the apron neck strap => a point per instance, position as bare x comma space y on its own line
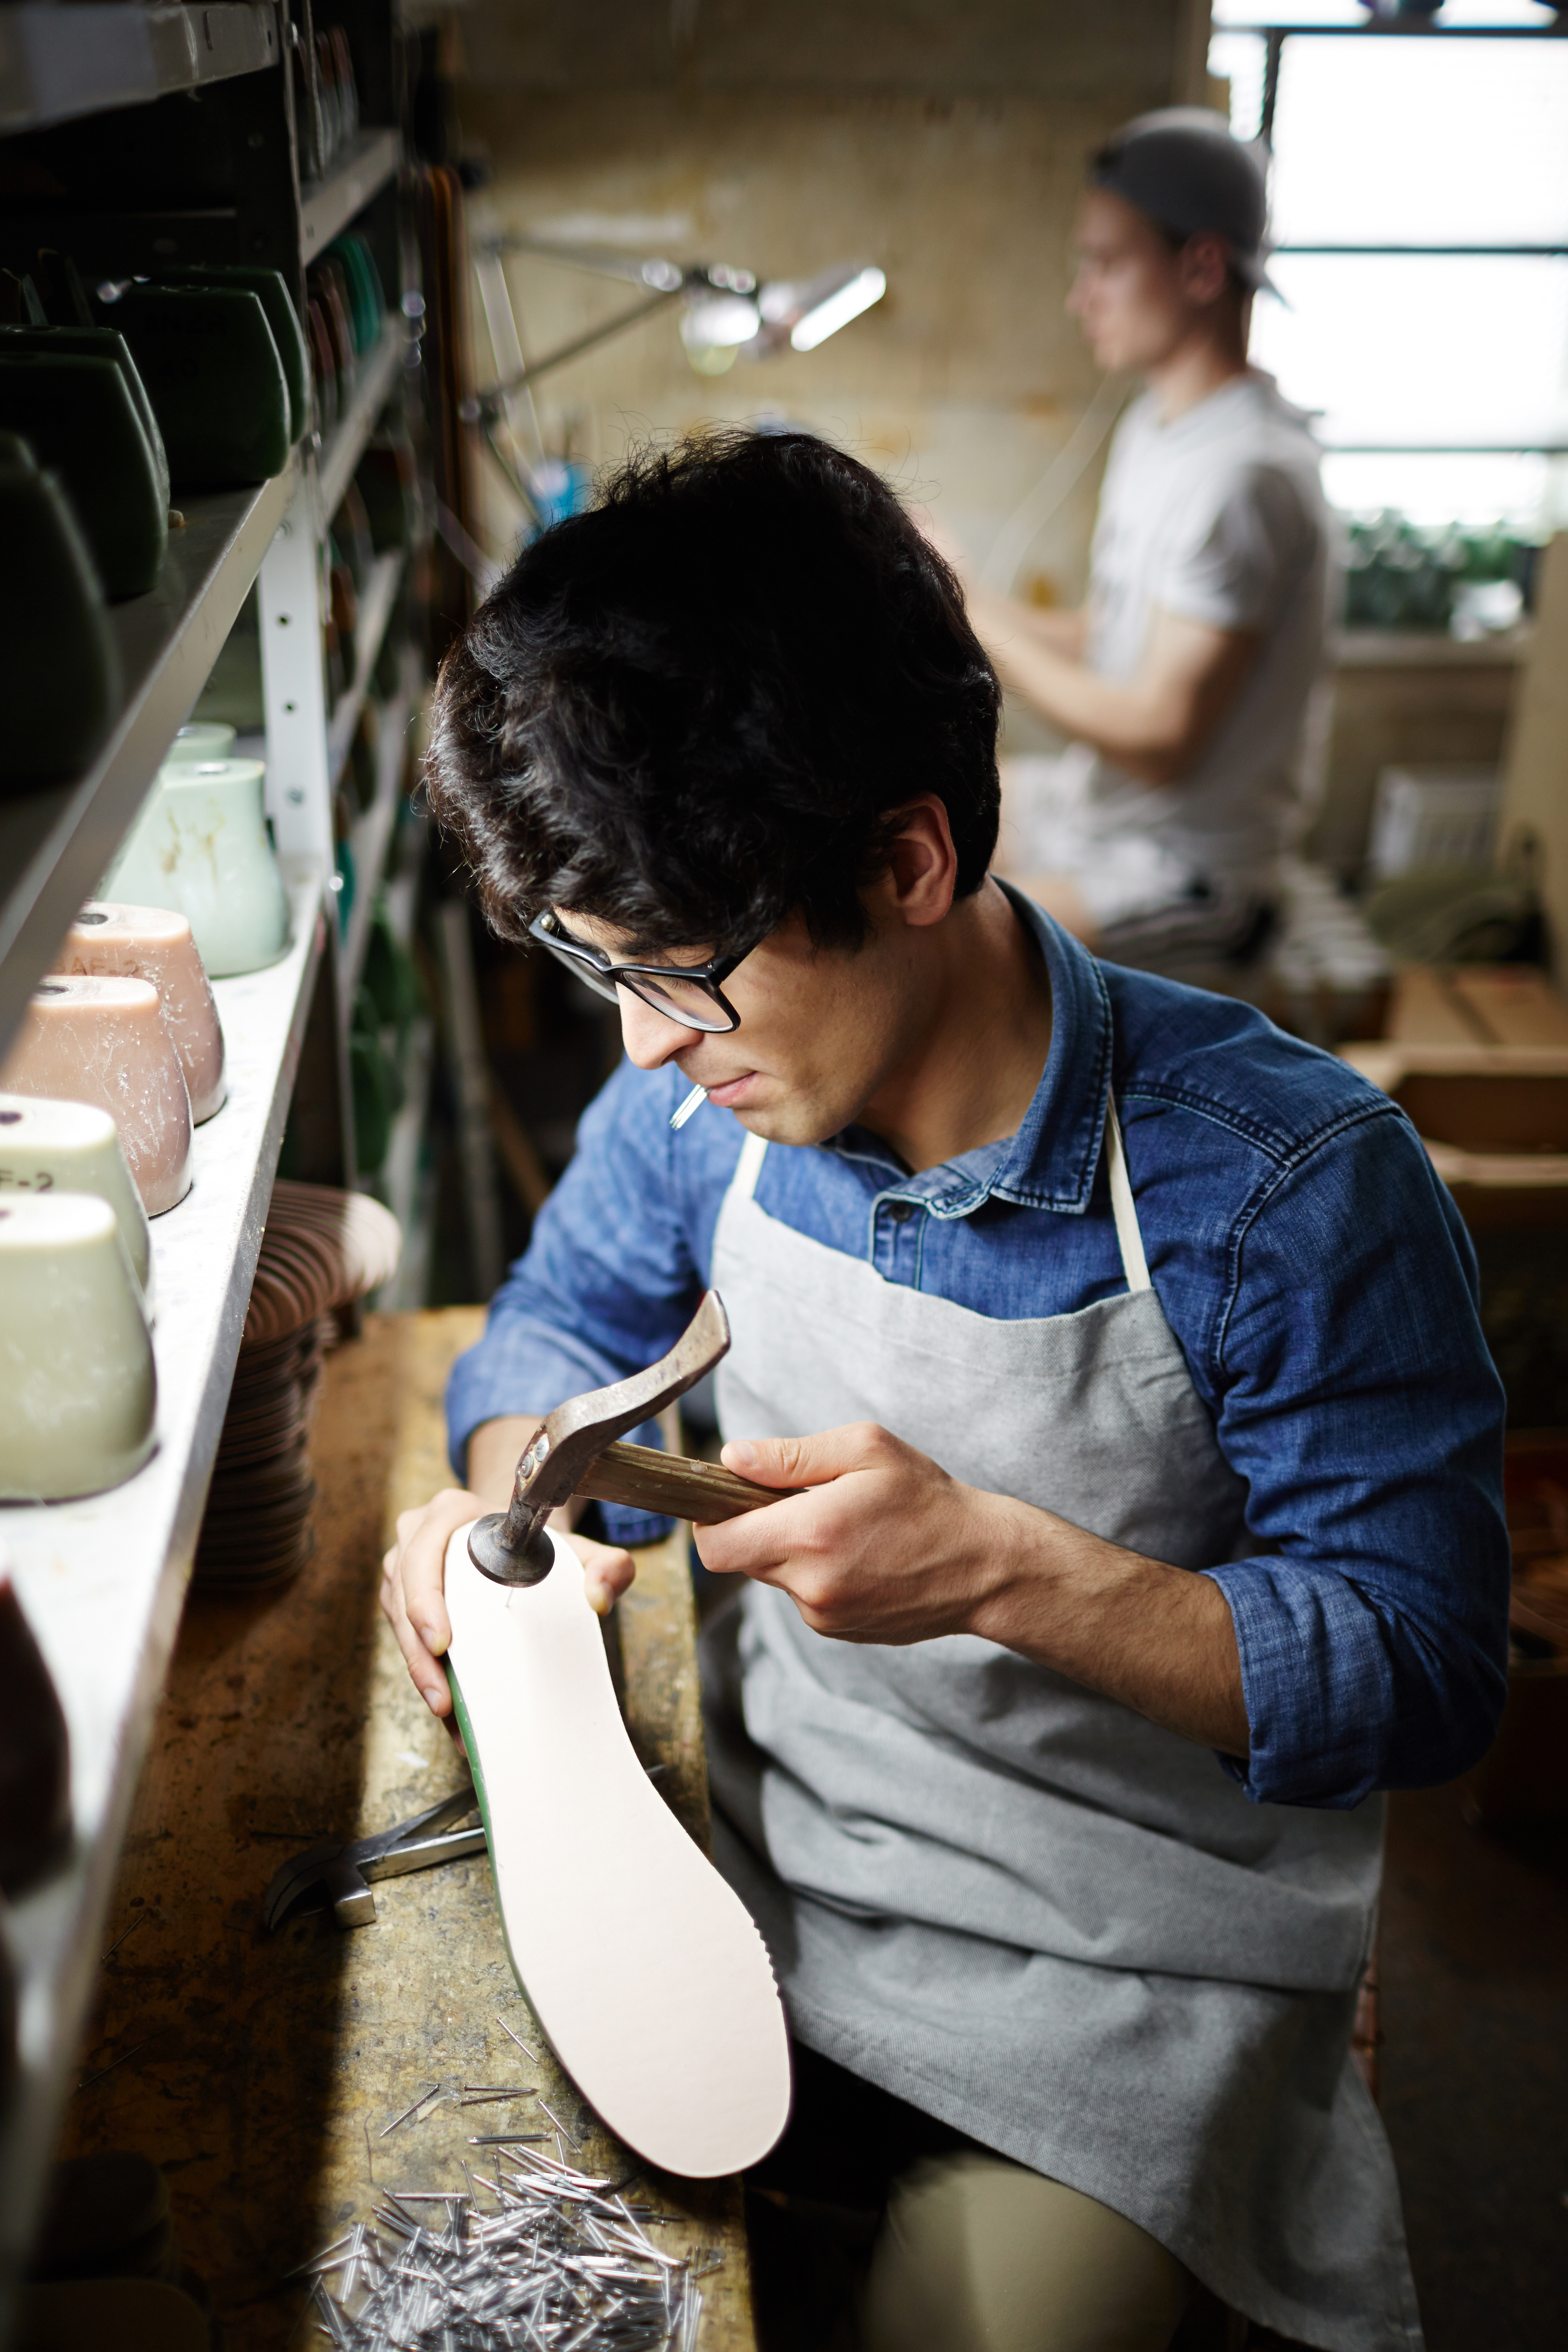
749, 1167
1128, 1240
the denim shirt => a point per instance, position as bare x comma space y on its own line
1312, 1266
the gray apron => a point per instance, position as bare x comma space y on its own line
1018, 1905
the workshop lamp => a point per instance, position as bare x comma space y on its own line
719, 329
726, 313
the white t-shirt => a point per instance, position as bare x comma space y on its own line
1218, 516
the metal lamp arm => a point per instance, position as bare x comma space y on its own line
491, 402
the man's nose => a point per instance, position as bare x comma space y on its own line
651, 1038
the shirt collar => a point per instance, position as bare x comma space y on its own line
1051, 1161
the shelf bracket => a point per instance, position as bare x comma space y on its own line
294, 685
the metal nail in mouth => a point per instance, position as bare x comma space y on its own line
85, 917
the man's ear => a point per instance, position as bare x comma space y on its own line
1205, 268
921, 873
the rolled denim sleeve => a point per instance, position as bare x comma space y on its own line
606, 1284
1357, 1399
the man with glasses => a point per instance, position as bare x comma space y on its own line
689, 995
1128, 1352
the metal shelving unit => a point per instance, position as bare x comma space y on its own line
375, 609
327, 206
57, 65
307, 746
344, 449
54, 845
102, 1581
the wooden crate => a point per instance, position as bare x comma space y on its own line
1476, 1054
1476, 1005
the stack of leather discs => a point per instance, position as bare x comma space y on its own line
321, 1249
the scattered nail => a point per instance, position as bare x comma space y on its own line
89, 2080
561, 2127
403, 2118
130, 1931
520, 2042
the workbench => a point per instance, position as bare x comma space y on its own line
261, 2070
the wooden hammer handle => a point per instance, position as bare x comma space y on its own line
643, 1479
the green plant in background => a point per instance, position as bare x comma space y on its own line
1400, 575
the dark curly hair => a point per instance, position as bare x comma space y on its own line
690, 712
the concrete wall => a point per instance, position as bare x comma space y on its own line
944, 141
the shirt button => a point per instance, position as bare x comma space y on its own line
901, 1212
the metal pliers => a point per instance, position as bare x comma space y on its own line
339, 1875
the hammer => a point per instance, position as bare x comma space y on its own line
575, 1453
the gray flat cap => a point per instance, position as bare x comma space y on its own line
1184, 169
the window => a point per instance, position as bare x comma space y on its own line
1420, 217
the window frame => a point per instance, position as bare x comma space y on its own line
1275, 34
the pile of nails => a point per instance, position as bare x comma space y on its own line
540, 2256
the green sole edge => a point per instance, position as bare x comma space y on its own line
465, 1725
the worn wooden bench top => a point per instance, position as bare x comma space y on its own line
261, 2070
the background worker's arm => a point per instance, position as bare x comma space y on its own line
1059, 630
1156, 724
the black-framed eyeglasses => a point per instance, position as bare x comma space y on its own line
688, 994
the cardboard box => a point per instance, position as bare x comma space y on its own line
1422, 817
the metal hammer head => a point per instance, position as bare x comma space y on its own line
513, 1548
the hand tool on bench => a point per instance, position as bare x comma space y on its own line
574, 1452
342, 1874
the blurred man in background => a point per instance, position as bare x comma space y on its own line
1183, 683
